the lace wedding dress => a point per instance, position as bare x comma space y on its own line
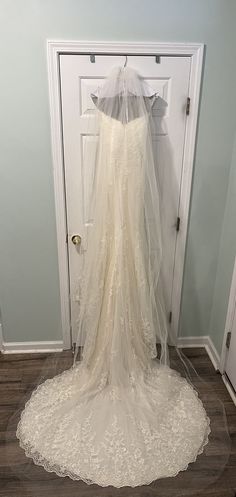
120, 416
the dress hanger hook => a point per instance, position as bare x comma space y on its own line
126, 60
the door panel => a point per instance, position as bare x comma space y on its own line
80, 77
231, 358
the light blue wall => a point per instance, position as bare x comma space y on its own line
29, 295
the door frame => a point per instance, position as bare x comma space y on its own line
229, 320
54, 49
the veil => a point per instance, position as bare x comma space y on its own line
130, 408
124, 102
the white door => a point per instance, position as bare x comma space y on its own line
80, 77
230, 368
228, 355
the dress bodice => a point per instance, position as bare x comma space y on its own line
123, 142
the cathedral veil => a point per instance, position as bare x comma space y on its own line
132, 408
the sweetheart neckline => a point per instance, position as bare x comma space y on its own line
106, 116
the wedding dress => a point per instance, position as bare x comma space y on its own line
120, 415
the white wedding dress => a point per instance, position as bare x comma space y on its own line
120, 416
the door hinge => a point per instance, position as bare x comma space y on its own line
228, 339
178, 224
170, 316
67, 238
188, 106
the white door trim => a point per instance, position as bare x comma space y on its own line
54, 49
229, 319
1, 338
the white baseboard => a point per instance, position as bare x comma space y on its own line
32, 347
192, 341
213, 354
203, 341
57, 346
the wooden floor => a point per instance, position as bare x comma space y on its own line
212, 475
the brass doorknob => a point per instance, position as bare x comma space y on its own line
76, 239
